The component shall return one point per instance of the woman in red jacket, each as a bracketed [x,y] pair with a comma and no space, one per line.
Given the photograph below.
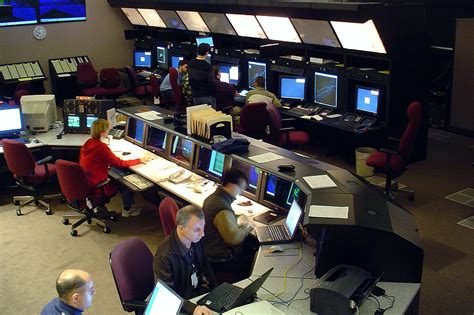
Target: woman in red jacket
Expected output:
[96,158]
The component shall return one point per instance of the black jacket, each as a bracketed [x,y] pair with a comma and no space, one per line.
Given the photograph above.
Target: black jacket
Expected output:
[173,265]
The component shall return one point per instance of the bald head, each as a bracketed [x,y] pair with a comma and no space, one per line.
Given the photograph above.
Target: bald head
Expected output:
[72,284]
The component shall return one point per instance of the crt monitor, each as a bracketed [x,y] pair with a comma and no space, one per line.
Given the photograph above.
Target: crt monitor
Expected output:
[11,121]
[281,192]
[175,61]
[89,120]
[205,40]
[211,163]
[325,89]
[257,69]
[229,74]
[162,57]
[156,140]
[292,87]
[39,111]
[142,59]
[181,150]
[251,172]
[367,100]
[73,122]
[135,130]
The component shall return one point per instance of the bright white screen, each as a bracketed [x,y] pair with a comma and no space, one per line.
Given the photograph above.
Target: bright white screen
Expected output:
[293,216]
[163,302]
[359,36]
[278,28]
[193,21]
[246,25]
[10,119]
[152,18]
[134,16]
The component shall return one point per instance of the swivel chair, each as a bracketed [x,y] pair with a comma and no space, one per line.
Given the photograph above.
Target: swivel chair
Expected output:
[21,89]
[178,98]
[168,209]
[87,81]
[284,136]
[254,121]
[111,81]
[140,88]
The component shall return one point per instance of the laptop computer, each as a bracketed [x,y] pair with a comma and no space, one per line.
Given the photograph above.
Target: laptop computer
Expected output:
[282,233]
[228,296]
[163,301]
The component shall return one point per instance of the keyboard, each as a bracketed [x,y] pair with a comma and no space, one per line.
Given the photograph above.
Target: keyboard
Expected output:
[227,300]
[301,111]
[120,172]
[277,232]
[22,140]
[138,181]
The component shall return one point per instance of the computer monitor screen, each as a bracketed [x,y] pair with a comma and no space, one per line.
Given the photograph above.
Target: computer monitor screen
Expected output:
[229,74]
[156,140]
[23,12]
[292,87]
[359,36]
[181,150]
[10,121]
[163,301]
[278,28]
[152,18]
[211,162]
[193,21]
[325,89]
[135,129]
[134,16]
[175,61]
[205,40]
[246,25]
[316,32]
[89,120]
[74,121]
[142,59]
[62,11]
[218,23]
[171,19]
[367,100]
[257,69]
[251,172]
[282,192]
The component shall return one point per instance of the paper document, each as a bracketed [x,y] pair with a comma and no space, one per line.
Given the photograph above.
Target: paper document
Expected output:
[319,181]
[36,68]
[315,117]
[265,157]
[21,70]
[13,71]
[57,67]
[333,115]
[262,307]
[5,72]
[329,212]
[150,115]
[29,70]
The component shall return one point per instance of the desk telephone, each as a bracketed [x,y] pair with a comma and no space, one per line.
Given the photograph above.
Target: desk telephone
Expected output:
[179,176]
[116,133]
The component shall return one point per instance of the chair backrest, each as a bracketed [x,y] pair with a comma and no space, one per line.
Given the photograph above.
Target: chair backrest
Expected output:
[254,120]
[407,141]
[132,268]
[275,120]
[23,86]
[19,94]
[132,76]
[177,90]
[86,74]
[259,98]
[110,78]
[73,180]
[168,209]
[224,93]
[155,86]
[19,159]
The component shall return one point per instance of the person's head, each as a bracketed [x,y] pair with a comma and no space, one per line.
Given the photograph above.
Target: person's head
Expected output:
[99,128]
[216,71]
[75,288]
[183,66]
[234,181]
[259,82]
[203,49]
[190,224]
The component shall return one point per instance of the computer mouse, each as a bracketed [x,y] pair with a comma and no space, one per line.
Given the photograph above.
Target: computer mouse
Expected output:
[125,153]
[36,141]
[275,249]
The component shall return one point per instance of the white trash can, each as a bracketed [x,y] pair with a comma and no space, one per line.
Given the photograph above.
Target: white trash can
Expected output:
[361,155]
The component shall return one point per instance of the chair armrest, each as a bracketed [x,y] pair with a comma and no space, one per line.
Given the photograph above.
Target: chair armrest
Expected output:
[286,129]
[135,305]
[44,160]
[389,152]
[103,183]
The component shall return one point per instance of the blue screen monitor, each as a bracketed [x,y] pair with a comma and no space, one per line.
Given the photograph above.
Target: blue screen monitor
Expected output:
[292,87]
[136,130]
[11,122]
[22,13]
[280,193]
[162,57]
[90,120]
[367,100]
[211,163]
[229,74]
[142,59]
[205,40]
[257,69]
[325,89]
[62,10]
[251,172]
[175,61]
[182,151]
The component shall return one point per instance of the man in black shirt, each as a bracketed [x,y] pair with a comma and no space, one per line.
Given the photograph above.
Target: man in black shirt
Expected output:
[201,78]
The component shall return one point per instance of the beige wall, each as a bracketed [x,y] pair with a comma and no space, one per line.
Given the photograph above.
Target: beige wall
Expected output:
[100,37]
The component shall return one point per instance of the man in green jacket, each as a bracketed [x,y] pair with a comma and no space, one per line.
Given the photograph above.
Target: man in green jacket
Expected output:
[259,94]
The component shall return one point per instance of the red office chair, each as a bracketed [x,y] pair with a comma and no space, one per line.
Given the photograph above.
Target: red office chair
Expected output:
[168,209]
[140,89]
[87,81]
[254,121]
[82,196]
[393,162]
[178,98]
[284,136]
[111,81]
[21,89]
[155,86]
[29,175]
[225,98]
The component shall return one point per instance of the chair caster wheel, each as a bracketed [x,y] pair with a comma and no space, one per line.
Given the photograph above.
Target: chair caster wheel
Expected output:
[65,221]
[16,202]
[114,217]
[49,212]
[18,212]
[73,233]
[89,221]
[106,230]
[37,203]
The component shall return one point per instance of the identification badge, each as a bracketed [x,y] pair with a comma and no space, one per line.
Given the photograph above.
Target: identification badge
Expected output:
[194,279]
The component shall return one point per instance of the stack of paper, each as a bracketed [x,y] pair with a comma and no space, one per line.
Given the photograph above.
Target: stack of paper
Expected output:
[319,181]
[200,119]
[265,157]
[150,115]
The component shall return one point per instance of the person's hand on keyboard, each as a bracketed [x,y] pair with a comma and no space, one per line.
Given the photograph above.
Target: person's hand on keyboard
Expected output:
[146,158]
[202,310]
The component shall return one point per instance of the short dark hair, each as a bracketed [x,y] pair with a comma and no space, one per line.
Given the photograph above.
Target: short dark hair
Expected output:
[182,62]
[233,176]
[203,49]
[185,213]
[215,69]
[260,81]
[65,286]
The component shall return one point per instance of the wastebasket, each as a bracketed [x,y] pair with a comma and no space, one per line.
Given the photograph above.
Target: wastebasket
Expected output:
[361,155]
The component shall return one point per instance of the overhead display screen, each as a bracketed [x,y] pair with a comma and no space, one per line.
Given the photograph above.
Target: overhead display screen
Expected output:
[316,32]
[193,21]
[61,10]
[359,36]
[278,28]
[218,23]
[171,19]
[246,25]
[22,13]
[134,16]
[152,18]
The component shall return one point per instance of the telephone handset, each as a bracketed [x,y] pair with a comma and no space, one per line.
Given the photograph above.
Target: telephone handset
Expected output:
[179,176]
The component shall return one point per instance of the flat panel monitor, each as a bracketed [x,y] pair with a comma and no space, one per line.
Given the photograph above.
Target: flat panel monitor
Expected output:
[325,89]
[292,87]
[205,40]
[152,18]
[156,140]
[162,57]
[90,119]
[218,23]
[211,163]
[23,13]
[193,21]
[255,70]
[73,122]
[229,74]
[359,36]
[163,301]
[281,192]
[175,61]
[135,130]
[252,172]
[316,32]
[142,59]
[367,100]
[134,16]
[246,25]
[278,28]
[181,151]
[171,19]
[11,121]
[62,11]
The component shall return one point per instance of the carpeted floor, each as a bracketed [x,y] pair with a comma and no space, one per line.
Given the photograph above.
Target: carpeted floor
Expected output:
[34,248]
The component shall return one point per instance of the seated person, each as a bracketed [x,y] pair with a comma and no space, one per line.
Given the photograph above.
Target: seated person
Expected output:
[226,242]
[259,94]
[187,93]
[165,87]
[180,261]
[96,158]
[224,93]
[75,292]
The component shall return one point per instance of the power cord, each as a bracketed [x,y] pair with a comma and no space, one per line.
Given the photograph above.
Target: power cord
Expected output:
[381,310]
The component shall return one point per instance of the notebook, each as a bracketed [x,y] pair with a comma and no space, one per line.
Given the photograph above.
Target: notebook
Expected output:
[163,301]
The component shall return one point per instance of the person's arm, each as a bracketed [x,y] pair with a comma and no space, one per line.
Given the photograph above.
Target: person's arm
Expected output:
[227,226]
[207,270]
[113,160]
[275,101]
[163,271]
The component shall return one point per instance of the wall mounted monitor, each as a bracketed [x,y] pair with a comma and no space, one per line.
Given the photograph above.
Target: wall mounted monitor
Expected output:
[62,11]
[152,18]
[135,130]
[142,59]
[181,151]
[256,69]
[278,28]
[367,100]
[162,57]
[171,19]
[292,87]
[218,23]
[134,16]
[229,74]
[316,32]
[359,36]
[175,61]
[22,13]
[210,163]
[193,21]
[246,25]
[325,89]
[279,193]
[156,140]
[90,119]
[11,121]
[253,174]
[205,40]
